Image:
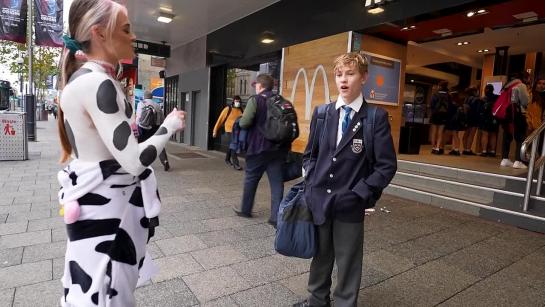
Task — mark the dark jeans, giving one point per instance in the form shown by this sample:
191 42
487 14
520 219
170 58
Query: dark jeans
343 243
144 134
519 135
272 163
231 155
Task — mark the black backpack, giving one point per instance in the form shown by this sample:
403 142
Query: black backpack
147 118
281 124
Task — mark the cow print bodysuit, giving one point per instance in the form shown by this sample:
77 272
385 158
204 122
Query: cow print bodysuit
106 247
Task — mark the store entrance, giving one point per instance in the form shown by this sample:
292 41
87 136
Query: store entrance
467 50
236 80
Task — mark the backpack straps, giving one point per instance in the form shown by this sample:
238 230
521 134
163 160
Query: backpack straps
321 119
369 124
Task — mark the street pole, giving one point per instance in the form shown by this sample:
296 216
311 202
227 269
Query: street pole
30 104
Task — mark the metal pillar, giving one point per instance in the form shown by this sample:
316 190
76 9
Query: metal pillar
30 103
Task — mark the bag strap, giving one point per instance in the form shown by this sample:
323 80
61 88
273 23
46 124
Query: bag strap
369 124
321 119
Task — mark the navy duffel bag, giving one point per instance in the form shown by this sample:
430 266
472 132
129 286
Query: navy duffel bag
295 232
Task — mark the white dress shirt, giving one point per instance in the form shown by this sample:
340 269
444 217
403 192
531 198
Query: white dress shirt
354 105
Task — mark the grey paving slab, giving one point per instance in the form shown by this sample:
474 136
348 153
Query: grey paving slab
272 294
185 228
44 251
422 286
46 293
218 256
11 256
28 215
154 250
19 208
215 283
12 228
160 234
220 237
505 288
171 293
297 284
380 265
176 266
47 223
6 297
58 234
225 301
25 239
58 268
256 248
180 245
263 270
25 274
257 231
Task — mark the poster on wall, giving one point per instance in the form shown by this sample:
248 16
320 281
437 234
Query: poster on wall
13 20
48 18
382 86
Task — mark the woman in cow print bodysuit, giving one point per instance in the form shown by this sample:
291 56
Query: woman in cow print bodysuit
108 179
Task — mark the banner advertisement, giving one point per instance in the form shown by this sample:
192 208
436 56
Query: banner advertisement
13 20
48 26
382 86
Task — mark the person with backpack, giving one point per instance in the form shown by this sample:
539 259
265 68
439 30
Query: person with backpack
149 117
513 101
472 103
439 111
353 160
264 153
488 123
456 122
227 118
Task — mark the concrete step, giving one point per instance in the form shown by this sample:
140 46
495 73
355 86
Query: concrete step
496 197
530 221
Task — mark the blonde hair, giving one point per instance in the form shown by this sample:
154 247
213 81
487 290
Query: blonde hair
351 59
83 15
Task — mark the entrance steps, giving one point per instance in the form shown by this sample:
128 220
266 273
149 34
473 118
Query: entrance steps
487 195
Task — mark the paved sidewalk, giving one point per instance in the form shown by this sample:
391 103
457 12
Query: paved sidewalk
414 256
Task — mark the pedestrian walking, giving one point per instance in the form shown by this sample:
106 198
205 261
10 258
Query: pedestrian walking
227 119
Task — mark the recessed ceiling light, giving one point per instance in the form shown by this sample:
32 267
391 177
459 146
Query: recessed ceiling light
375 10
459 44
482 11
486 50
412 80
165 17
465 43
470 14
476 13
462 43
267 38
408 28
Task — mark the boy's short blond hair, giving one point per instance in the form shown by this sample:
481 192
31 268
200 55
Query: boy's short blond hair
351 59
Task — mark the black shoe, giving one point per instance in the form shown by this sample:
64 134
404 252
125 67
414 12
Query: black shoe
483 154
167 166
228 163
242 214
305 303
454 153
237 167
441 151
468 153
492 154
435 151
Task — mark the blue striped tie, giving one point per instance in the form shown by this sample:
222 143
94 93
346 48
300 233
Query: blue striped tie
346 119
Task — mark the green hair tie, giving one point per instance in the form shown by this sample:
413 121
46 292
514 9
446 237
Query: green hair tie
71 44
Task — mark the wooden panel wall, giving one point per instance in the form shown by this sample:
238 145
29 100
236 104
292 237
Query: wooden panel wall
378 46
307 57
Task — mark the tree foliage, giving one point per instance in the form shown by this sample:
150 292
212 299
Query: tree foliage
44 63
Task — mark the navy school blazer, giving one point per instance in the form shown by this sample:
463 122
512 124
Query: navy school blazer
342 181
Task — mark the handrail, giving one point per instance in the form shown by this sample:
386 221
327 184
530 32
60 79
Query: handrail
528 141
533 140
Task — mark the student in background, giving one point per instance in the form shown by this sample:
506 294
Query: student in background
488 123
227 118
